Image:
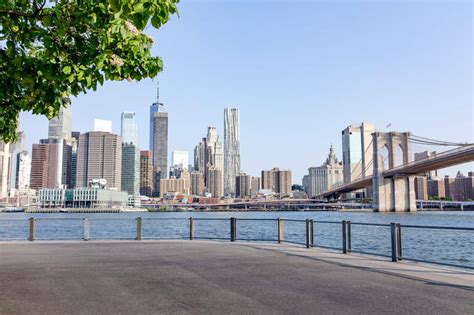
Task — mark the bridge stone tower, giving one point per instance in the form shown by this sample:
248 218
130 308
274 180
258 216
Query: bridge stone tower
397 192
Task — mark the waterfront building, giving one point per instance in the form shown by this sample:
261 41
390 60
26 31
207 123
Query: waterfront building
146 173
60 127
129 128
254 185
357 153
99 155
306 184
325 177
174 185
215 182
208 153
277 181
197 183
200 157
130 180
231 149
23 172
50 164
243 186
436 188
103 125
15 150
449 186
84 197
421 188
160 142
4 162
74 146
462 188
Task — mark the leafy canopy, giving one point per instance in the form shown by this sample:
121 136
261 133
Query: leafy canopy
52 51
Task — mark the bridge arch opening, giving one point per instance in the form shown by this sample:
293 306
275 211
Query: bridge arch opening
398 155
385 158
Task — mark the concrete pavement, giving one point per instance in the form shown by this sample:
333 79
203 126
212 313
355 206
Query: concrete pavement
145 277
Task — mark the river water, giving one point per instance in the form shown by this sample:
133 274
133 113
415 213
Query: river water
454 247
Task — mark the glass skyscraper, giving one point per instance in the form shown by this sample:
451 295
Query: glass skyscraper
129 128
231 149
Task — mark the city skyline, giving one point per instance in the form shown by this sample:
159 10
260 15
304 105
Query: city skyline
297 97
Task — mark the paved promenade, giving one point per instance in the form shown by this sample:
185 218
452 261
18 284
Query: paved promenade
144 277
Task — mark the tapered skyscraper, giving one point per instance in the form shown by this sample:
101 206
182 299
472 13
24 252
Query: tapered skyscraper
159 141
231 149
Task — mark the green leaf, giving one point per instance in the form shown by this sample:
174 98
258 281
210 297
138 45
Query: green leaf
67 70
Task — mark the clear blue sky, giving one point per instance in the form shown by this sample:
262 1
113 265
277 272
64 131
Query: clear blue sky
300 72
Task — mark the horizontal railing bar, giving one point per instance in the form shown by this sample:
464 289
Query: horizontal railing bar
438 227
65 219
14 219
165 238
158 219
330 222
210 219
370 224
210 238
256 219
257 239
293 220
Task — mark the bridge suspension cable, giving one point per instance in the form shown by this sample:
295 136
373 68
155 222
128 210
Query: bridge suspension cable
427 141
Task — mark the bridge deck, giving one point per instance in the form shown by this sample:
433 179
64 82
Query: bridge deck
216 277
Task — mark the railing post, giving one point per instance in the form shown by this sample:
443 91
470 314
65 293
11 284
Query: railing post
191 228
311 225
349 236
233 229
399 237
394 243
344 237
308 231
280 230
31 238
87 228
139 229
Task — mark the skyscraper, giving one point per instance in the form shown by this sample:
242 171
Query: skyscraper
99 156
215 182
197 184
74 145
276 180
159 140
129 128
15 150
231 149
130 178
44 165
146 173
4 162
60 127
357 151
243 186
23 172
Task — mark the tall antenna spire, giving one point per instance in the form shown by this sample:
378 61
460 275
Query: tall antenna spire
158 92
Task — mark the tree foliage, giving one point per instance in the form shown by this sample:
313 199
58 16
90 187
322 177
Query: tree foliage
50 51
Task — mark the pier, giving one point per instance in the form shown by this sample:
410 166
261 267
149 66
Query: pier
57 277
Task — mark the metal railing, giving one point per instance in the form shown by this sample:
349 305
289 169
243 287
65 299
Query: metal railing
341 233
